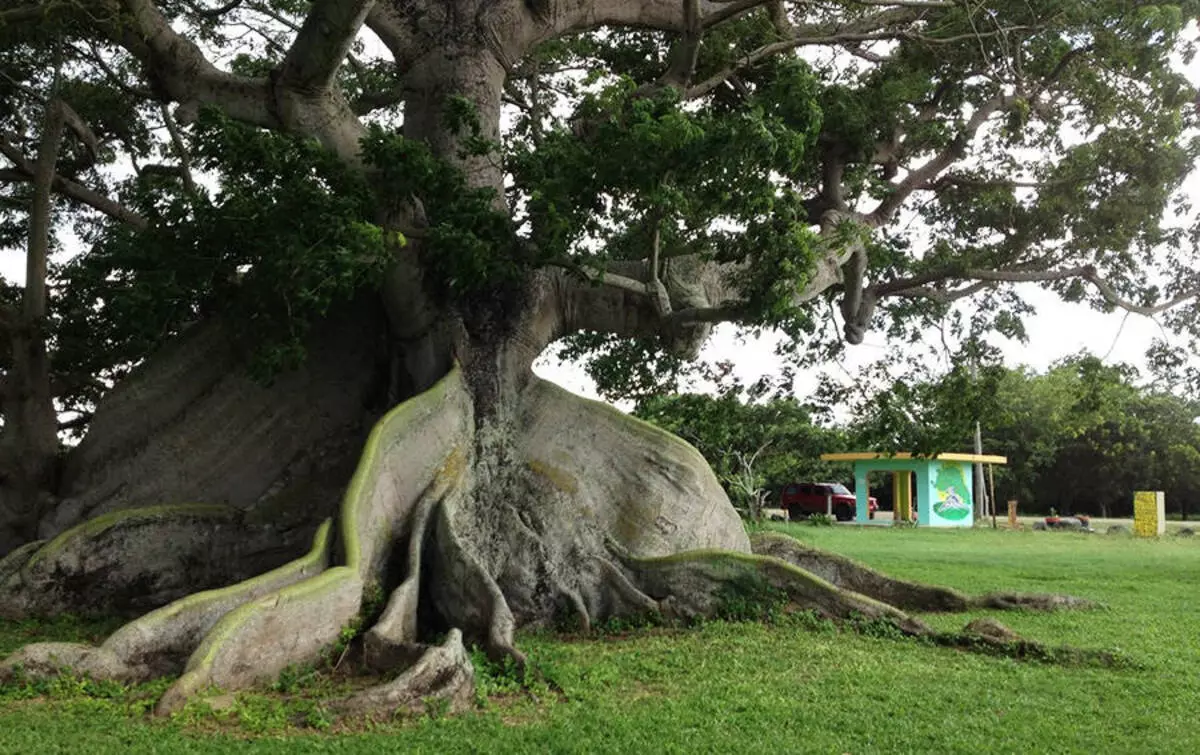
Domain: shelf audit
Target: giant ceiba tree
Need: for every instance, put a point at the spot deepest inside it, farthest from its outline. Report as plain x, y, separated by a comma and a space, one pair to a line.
302, 220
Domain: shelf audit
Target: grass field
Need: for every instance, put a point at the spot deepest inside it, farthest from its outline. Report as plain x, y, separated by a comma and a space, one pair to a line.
791, 687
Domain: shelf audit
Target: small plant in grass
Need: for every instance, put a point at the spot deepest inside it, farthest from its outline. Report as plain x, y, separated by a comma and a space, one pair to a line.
809, 621
620, 625
67, 685
436, 707
822, 520
314, 715
883, 627
495, 678
296, 677
505, 678
751, 598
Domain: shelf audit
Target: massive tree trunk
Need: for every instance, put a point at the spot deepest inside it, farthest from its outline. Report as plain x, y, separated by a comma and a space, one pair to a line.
490, 501
484, 499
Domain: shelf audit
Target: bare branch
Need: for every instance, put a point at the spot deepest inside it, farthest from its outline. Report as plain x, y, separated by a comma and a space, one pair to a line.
914, 287
113, 77
180, 71
730, 10
369, 102
925, 174
980, 183
691, 315
864, 29
82, 131
215, 12
596, 275
24, 171
942, 296
181, 152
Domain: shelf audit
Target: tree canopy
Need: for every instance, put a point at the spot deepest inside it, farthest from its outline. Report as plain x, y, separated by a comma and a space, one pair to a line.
239, 156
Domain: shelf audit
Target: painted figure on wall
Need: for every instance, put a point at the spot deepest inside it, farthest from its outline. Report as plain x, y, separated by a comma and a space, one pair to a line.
951, 503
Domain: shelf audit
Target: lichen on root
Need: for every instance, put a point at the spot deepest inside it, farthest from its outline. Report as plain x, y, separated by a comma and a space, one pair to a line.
473, 526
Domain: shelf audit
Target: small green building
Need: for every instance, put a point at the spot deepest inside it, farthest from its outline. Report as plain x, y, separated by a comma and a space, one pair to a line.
943, 479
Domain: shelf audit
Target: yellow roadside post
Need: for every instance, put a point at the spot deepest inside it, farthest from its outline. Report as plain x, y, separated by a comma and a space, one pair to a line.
1149, 513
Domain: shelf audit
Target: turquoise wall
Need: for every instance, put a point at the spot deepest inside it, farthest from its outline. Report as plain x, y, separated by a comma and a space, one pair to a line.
948, 484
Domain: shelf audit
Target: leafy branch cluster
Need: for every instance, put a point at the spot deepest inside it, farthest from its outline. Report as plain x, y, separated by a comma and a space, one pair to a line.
285, 236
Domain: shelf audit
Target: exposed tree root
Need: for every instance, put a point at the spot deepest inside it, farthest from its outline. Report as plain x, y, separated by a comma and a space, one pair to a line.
160, 642
12, 563
250, 631
909, 596
575, 507
388, 643
698, 584
440, 672
179, 550
990, 637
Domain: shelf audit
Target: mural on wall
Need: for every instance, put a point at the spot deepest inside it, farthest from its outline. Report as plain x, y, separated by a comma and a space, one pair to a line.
951, 487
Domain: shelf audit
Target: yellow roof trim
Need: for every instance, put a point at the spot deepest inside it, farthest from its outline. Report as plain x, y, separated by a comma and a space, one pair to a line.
870, 456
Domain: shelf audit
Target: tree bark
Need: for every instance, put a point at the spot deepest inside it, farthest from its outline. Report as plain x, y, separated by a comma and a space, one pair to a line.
29, 440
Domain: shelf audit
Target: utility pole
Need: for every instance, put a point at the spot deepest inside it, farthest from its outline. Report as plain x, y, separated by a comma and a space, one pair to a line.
980, 497
980, 485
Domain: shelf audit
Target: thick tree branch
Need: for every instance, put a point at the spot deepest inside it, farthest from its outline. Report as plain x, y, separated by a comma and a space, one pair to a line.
322, 44
179, 70
34, 297
686, 51
393, 30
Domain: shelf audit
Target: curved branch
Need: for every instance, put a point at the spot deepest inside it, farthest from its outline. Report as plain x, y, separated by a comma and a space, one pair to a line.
181, 151
180, 71
953, 152
217, 12
863, 30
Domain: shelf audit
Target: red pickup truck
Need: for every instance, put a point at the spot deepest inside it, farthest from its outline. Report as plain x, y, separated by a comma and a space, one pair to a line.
804, 498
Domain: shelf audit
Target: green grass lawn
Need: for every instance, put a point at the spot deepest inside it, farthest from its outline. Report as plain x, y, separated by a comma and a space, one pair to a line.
757, 688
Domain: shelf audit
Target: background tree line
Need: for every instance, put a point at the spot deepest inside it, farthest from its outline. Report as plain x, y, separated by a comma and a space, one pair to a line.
1080, 437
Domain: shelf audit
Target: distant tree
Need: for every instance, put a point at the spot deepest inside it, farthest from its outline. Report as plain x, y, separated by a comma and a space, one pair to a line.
1079, 438
753, 446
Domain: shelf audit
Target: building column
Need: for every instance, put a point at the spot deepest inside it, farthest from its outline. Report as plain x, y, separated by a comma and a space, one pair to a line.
902, 496
862, 492
925, 496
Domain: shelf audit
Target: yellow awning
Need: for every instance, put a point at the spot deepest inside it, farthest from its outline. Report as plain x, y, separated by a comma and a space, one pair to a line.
868, 456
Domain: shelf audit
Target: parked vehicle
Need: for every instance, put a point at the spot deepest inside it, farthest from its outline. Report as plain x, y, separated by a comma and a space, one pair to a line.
802, 499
